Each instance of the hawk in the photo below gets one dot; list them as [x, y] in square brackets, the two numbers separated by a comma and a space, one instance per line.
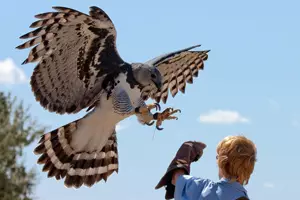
[78, 67]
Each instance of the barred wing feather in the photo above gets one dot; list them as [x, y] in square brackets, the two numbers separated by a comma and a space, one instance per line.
[177, 68]
[74, 52]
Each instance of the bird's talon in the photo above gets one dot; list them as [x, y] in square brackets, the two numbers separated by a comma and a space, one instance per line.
[150, 124]
[157, 106]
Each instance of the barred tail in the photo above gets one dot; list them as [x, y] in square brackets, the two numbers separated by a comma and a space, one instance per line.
[78, 168]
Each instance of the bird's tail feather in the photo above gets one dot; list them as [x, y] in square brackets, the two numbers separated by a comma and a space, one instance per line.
[78, 168]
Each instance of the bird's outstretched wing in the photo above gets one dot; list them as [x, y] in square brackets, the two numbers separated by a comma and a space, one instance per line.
[177, 69]
[75, 52]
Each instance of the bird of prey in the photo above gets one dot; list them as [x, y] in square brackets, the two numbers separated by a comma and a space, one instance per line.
[78, 67]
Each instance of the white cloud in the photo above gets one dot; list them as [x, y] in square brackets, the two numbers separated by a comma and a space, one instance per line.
[10, 73]
[269, 185]
[121, 126]
[222, 117]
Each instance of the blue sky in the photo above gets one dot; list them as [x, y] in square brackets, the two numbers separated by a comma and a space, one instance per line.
[252, 77]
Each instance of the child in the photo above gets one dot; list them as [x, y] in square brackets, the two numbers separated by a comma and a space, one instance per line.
[236, 157]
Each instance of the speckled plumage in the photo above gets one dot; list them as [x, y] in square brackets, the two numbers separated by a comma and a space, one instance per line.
[78, 67]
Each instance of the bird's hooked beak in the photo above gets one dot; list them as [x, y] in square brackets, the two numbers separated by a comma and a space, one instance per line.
[158, 84]
[157, 78]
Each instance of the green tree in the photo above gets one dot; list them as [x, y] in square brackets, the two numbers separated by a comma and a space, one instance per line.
[17, 130]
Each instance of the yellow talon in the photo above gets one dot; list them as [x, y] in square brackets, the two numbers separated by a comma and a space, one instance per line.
[165, 115]
[146, 109]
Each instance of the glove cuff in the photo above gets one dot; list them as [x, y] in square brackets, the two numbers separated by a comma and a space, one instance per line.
[188, 152]
[167, 178]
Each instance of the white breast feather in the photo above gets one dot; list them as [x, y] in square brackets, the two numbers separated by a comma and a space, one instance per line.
[134, 93]
[94, 130]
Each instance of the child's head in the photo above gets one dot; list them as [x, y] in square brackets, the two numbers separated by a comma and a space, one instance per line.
[236, 156]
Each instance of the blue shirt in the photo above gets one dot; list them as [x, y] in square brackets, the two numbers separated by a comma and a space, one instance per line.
[192, 188]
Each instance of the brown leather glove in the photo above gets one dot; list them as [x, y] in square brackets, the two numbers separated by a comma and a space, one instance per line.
[189, 152]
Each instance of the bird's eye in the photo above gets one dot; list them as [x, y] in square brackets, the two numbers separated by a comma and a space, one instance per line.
[153, 76]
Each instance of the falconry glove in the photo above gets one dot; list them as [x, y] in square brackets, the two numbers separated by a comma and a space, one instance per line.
[189, 152]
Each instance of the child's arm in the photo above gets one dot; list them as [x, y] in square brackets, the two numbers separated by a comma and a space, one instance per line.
[176, 174]
[189, 152]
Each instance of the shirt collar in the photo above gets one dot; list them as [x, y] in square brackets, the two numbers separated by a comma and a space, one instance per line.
[234, 184]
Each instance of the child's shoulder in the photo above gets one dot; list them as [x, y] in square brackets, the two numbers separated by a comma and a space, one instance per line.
[200, 180]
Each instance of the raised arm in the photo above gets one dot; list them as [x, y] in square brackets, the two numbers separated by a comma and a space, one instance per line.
[189, 152]
[176, 174]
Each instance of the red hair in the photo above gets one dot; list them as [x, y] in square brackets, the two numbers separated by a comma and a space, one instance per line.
[236, 158]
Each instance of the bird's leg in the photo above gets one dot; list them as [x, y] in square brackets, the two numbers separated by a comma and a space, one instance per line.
[145, 111]
[146, 116]
[165, 115]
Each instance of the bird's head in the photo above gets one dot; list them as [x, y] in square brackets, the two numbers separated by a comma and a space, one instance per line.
[147, 75]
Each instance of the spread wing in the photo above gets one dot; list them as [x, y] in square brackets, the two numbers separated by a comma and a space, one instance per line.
[75, 52]
[177, 69]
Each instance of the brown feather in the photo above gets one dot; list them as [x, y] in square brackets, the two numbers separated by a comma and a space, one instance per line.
[77, 168]
[66, 78]
[177, 70]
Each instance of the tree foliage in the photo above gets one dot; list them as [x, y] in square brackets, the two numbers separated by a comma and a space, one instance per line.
[17, 130]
